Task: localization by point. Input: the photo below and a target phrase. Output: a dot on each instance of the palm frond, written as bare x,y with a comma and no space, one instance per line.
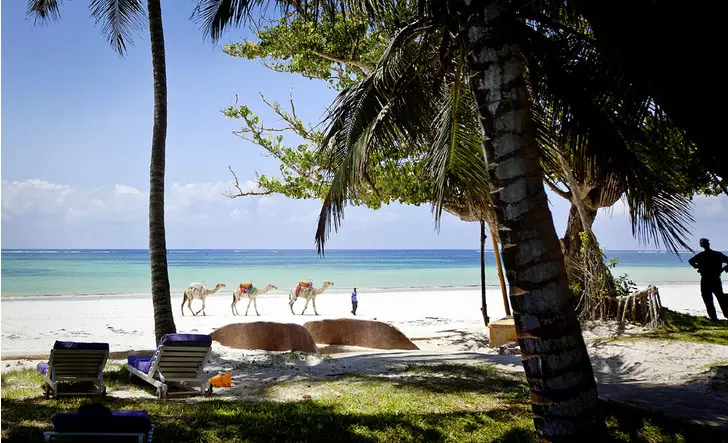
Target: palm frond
44,11
600,123
660,216
392,106
457,161
118,20
214,16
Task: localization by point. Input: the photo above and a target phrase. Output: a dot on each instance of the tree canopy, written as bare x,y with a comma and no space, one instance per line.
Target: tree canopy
323,52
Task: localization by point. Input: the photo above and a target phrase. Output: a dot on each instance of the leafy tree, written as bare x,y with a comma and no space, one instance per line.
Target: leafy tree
119,19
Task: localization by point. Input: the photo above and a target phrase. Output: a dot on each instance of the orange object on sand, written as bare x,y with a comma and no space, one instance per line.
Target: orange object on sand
222,380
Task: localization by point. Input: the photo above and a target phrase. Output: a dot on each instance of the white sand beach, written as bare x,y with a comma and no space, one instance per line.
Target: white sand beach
447,326
30,325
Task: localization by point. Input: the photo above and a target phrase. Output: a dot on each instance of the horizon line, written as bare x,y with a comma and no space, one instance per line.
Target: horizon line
300,249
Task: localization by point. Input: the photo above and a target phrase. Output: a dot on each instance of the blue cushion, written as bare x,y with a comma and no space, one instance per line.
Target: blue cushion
42,367
140,362
200,340
117,421
80,345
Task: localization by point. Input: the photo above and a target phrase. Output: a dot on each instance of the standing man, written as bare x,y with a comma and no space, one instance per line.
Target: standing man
709,264
354,302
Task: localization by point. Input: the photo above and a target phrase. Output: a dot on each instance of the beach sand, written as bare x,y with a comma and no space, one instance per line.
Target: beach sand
30,325
447,326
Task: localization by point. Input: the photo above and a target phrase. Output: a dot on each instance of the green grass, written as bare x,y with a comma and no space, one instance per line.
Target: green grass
422,403
684,327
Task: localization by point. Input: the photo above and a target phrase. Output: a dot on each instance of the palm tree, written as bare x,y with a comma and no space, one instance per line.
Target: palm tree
368,115
118,18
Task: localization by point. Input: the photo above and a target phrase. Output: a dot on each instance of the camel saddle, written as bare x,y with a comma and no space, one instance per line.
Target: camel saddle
303,284
246,287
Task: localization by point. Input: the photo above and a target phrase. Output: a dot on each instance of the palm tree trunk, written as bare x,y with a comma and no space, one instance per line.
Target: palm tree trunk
499,266
482,273
163,320
563,391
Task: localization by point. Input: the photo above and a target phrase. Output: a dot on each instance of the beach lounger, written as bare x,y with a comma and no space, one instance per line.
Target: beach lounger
74,362
180,358
116,426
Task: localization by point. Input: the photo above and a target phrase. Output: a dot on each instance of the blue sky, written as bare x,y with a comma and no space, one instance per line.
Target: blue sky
76,134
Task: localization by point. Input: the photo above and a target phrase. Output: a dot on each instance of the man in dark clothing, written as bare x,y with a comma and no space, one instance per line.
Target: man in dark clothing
354,302
709,264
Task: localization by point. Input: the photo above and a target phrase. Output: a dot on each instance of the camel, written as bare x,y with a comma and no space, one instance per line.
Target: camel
307,292
197,291
251,294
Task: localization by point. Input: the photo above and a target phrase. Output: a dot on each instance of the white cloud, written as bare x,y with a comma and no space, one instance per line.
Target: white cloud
35,196
126,190
618,209
37,213
123,203
707,207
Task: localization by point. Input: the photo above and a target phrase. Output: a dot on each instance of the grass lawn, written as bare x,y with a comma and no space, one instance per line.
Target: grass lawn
423,403
684,327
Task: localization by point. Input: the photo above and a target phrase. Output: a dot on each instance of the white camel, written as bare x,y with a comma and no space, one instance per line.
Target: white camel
252,296
196,291
307,292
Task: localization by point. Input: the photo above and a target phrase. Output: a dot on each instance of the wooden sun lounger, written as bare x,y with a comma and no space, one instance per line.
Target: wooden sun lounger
104,436
113,426
74,362
180,358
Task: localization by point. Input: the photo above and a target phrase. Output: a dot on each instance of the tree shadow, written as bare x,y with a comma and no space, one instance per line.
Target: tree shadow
628,423
464,337
614,369
718,379
453,379
215,420
690,402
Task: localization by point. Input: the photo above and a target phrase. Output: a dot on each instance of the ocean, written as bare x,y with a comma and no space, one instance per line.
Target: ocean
57,272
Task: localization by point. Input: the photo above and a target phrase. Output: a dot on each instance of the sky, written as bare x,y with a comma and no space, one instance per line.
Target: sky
76,135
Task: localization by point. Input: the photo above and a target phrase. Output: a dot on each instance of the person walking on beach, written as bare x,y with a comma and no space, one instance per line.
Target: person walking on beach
354,302
709,264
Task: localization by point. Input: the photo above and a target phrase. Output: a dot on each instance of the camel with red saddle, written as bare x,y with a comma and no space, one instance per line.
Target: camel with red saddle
247,290
305,289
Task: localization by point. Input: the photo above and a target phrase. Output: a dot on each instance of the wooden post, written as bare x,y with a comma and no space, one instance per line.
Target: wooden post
499,266
482,273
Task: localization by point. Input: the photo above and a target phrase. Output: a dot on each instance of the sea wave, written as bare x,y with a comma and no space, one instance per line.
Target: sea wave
30,251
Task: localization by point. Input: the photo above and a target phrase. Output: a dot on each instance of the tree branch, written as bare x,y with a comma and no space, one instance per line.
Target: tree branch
242,193
294,124
361,65
558,191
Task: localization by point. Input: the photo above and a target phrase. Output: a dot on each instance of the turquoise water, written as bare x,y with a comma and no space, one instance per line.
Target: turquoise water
99,272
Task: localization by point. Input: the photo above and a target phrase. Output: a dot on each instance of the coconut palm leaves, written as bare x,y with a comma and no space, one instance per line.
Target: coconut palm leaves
118,19
600,124
457,164
594,123
372,116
